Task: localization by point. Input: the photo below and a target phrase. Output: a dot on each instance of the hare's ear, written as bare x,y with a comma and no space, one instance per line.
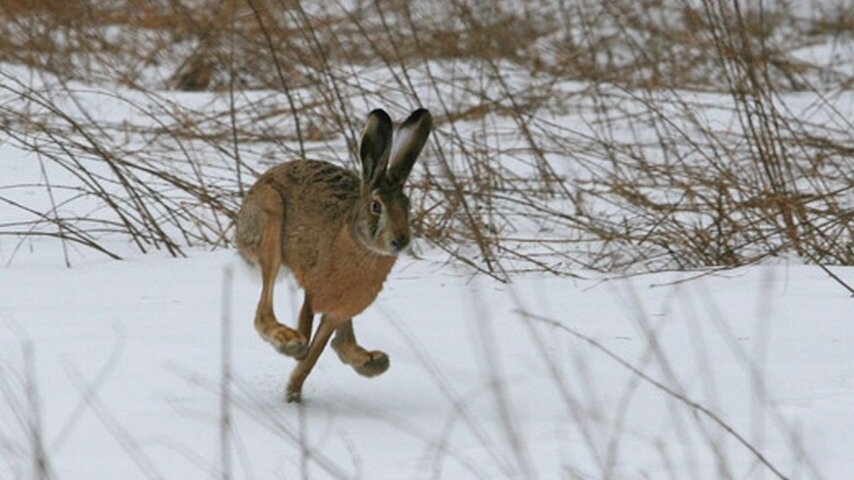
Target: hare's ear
375,146
409,141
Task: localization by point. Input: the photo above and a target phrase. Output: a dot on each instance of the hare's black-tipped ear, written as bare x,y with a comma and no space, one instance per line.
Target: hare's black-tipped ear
375,146
409,141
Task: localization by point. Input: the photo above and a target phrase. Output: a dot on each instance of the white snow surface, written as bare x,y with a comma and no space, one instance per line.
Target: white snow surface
128,375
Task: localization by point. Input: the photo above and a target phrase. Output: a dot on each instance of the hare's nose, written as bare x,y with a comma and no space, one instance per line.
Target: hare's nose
400,242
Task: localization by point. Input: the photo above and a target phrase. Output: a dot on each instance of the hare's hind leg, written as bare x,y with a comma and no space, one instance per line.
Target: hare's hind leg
367,363
285,339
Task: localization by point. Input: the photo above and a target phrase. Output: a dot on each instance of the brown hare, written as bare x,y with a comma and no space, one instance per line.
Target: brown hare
339,234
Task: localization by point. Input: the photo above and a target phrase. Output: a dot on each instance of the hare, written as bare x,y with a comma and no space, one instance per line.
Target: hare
339,234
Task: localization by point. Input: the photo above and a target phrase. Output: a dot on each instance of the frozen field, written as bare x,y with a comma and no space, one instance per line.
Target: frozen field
127,368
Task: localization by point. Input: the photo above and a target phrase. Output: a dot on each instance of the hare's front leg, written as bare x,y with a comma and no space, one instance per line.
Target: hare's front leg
367,363
285,339
303,368
306,318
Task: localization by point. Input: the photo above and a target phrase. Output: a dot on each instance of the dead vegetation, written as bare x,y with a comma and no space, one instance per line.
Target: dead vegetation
600,135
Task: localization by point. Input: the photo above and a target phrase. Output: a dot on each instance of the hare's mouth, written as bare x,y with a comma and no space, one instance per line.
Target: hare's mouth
397,245
385,243
384,251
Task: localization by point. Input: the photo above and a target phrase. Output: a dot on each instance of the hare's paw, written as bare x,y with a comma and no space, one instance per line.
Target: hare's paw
375,363
286,340
294,393
368,364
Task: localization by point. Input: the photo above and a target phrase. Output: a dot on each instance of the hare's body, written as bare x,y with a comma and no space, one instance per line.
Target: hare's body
339,234
341,281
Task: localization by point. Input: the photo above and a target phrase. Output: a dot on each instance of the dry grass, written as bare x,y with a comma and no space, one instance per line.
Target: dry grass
600,135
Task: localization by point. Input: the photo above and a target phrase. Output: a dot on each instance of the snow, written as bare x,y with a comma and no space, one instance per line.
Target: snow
128,367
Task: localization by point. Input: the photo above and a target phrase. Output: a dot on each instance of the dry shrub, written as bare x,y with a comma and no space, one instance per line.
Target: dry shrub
569,134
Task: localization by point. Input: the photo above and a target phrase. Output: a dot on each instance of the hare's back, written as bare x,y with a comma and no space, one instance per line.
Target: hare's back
314,183
309,197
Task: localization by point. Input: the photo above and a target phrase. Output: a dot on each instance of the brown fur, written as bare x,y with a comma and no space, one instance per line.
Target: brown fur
341,276
318,220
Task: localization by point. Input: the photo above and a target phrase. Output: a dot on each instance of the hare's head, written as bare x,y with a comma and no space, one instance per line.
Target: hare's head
381,222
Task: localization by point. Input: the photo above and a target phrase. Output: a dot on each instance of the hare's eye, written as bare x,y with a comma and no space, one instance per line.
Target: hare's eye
376,207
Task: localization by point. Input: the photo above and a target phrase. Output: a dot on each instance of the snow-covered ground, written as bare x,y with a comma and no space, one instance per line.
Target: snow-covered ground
127,359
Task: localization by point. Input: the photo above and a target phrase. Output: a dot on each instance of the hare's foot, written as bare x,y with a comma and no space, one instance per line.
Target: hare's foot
294,393
283,338
364,362
376,364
